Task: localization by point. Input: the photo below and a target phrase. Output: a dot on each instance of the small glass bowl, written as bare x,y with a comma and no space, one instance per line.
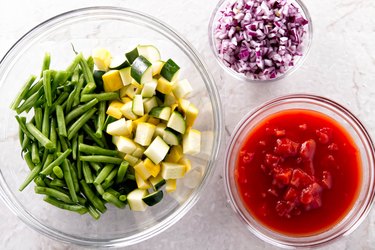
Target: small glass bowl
298,61
355,129
118,30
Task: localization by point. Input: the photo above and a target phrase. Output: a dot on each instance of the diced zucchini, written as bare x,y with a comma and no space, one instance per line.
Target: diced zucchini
190,115
135,200
183,105
159,131
171,170
141,183
118,128
157,150
170,70
156,67
169,100
114,109
138,152
171,185
112,81
153,198
125,76
119,63
132,90
162,112
137,107
125,145
102,58
152,168
141,70
98,78
185,161
149,104
175,154
171,137
131,159
157,182
191,142
142,171
150,52
182,89
177,122
149,88
144,133
153,120
164,86
132,55
126,110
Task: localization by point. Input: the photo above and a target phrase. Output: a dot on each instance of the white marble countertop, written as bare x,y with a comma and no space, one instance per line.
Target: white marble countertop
341,66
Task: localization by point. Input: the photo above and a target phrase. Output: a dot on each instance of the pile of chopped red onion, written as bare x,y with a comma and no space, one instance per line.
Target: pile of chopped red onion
259,38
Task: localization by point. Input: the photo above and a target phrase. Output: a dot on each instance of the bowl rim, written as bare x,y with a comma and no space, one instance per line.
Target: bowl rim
349,223
240,76
6,194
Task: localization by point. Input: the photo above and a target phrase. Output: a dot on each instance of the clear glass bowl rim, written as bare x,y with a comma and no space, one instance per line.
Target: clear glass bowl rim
149,21
349,223
240,76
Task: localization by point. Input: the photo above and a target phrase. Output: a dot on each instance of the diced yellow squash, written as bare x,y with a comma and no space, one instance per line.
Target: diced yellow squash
114,109
112,81
153,120
131,159
171,185
191,114
143,118
152,168
142,171
173,107
136,84
125,99
183,105
123,92
156,67
185,161
175,154
141,183
138,152
133,90
164,86
102,58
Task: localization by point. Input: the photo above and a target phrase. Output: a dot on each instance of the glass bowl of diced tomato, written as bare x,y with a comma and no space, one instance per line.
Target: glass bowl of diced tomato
300,171
134,138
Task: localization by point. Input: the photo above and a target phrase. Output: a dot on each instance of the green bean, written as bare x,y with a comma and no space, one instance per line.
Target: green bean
130,177
61,77
79,86
58,172
108,96
87,173
101,119
76,76
122,171
33,173
22,123
96,166
84,148
122,198
73,172
45,155
99,188
113,192
101,158
52,192
35,153
70,100
39,136
52,132
23,91
80,110
113,200
61,121
28,160
90,63
30,101
111,175
47,87
38,114
39,181
89,88
57,183
48,161
75,208
69,180
74,64
95,201
34,88
46,121
46,63
74,147
73,129
60,159
87,73
79,162
91,134
60,100
103,173
92,211
106,185
64,142
25,143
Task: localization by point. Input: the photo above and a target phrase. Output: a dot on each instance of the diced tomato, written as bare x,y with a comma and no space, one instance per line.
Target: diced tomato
286,147
291,194
300,178
246,157
281,177
279,132
333,147
311,196
303,127
284,208
324,135
272,160
327,180
307,150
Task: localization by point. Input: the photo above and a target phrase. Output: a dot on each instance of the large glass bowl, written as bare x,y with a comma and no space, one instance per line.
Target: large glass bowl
118,30
354,128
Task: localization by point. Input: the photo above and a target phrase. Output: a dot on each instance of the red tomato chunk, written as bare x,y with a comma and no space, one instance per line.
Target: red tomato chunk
300,171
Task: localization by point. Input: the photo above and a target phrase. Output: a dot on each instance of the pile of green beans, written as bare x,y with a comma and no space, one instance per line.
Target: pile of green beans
63,143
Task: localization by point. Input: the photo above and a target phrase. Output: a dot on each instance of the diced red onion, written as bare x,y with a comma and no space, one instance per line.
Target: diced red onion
260,38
